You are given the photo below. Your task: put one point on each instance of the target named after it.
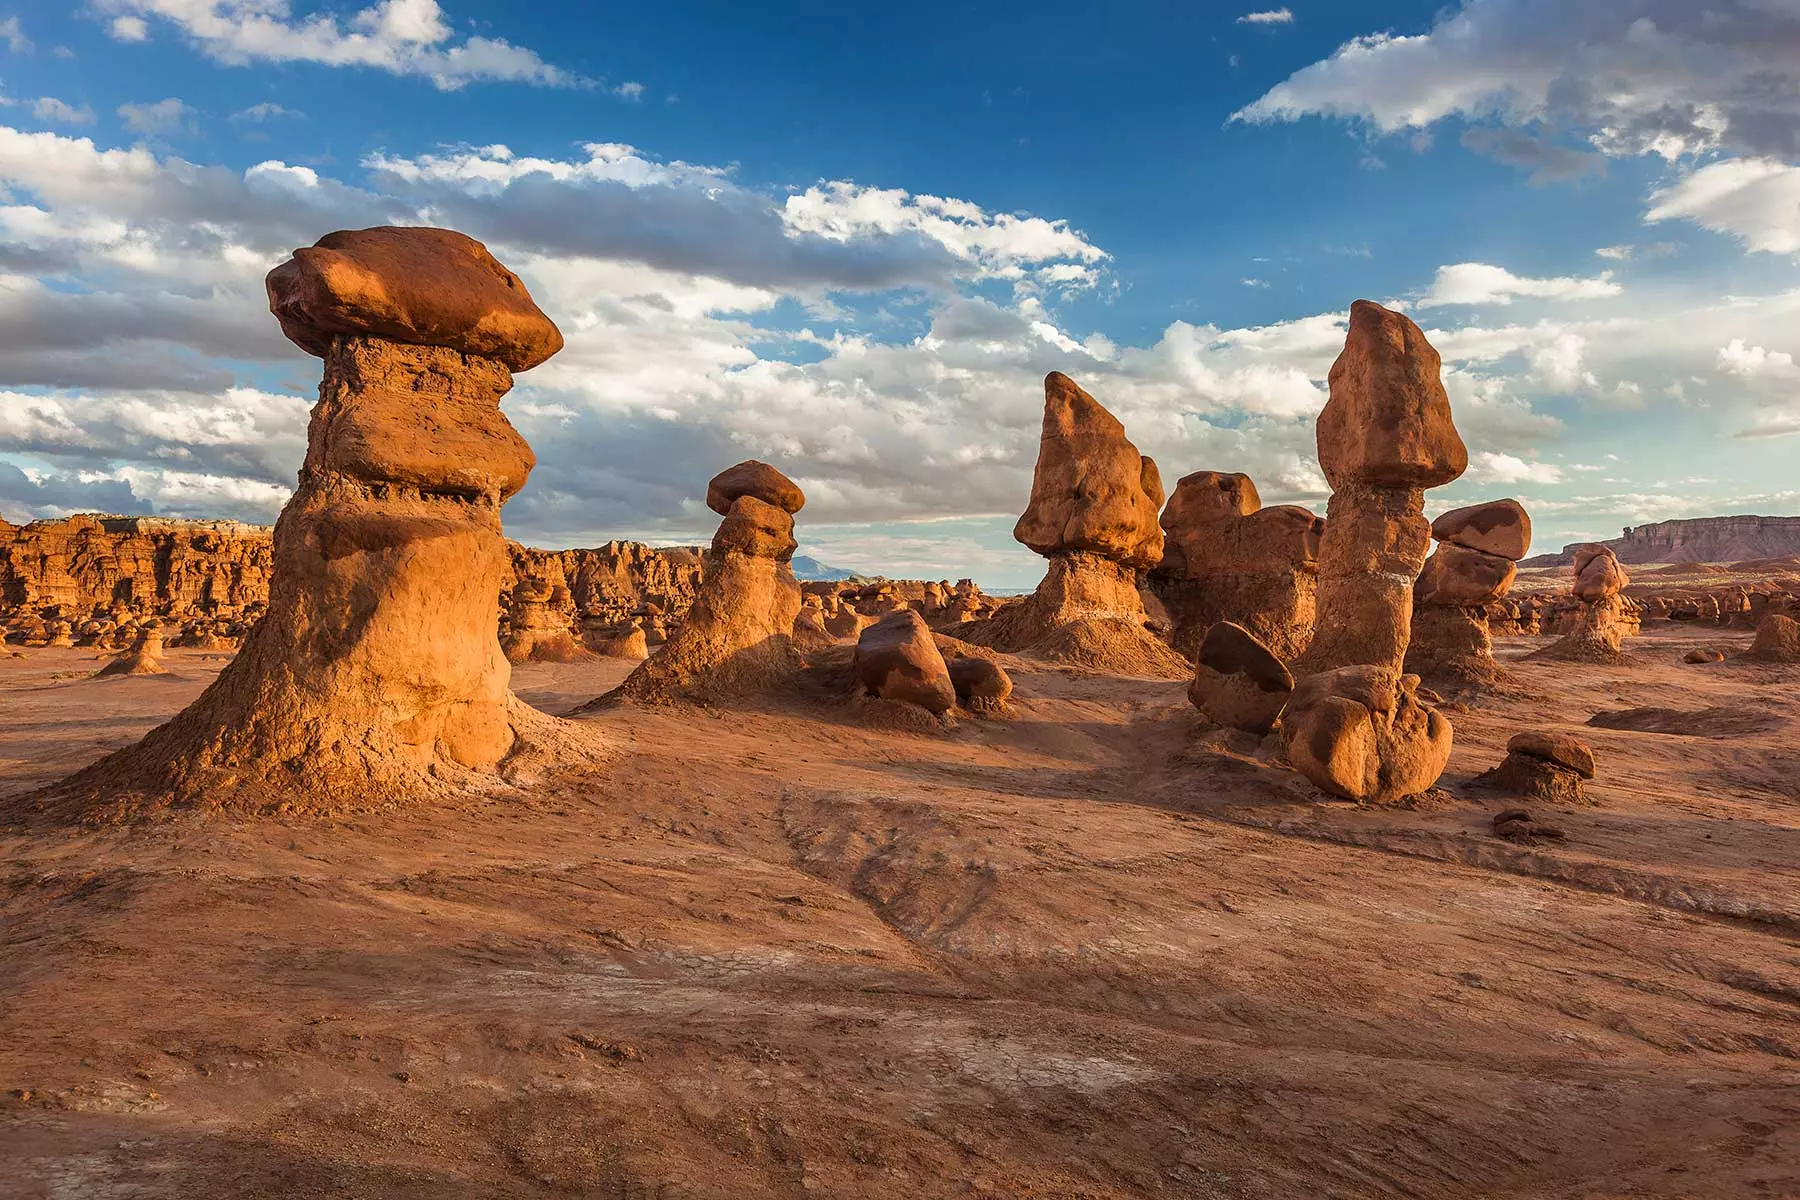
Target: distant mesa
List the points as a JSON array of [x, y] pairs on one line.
[[1694, 540]]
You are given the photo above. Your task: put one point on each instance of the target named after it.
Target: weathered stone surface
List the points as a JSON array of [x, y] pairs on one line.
[[1500, 527], [1372, 551], [1597, 626], [738, 635], [1238, 682], [376, 675], [419, 286], [982, 685], [755, 528], [1388, 422], [753, 478], [1384, 436], [1091, 490], [1455, 574], [1226, 559], [1361, 732], [1565, 750], [897, 659]]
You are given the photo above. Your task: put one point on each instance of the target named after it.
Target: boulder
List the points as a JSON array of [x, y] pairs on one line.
[[1387, 422], [1777, 640], [897, 659], [1498, 527], [1238, 682], [417, 286], [1361, 732], [982, 685], [753, 478], [1565, 750]]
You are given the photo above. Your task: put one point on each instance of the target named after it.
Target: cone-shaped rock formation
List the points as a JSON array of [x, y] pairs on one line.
[[738, 635]]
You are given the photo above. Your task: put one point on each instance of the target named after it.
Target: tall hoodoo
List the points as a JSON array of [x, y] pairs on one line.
[[1384, 436], [738, 635], [1093, 514], [376, 673]]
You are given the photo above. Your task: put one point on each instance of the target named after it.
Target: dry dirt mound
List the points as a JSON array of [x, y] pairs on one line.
[[1114, 647]]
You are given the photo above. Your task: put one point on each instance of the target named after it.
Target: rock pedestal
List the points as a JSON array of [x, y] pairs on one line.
[[1385, 435], [1600, 622], [737, 637], [1543, 766], [376, 674], [1472, 568], [1093, 514]]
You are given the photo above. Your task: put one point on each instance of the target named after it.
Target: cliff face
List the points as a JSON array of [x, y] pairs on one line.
[[1699, 539], [150, 566]]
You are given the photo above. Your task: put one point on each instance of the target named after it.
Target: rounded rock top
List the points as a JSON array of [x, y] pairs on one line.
[[753, 478], [416, 285]]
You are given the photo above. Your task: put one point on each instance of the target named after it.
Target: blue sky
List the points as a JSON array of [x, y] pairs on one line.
[[851, 243]]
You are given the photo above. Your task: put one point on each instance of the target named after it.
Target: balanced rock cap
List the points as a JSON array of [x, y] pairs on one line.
[[753, 478], [1500, 527], [420, 286], [1388, 420]]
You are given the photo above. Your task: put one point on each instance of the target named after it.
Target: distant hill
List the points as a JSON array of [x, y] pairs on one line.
[[811, 570], [1695, 540]]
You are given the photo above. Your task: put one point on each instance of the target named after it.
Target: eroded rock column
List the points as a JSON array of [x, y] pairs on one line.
[[376, 674], [1601, 621], [1472, 568], [1384, 436], [1093, 514], [738, 635]]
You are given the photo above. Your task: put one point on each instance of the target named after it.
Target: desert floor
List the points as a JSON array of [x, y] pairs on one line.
[[1096, 950]]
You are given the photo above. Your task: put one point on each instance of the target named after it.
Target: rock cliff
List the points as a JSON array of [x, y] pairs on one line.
[[1697, 539]]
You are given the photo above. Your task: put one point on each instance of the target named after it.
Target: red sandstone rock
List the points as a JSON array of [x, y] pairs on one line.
[[1388, 420], [419, 286], [1091, 491], [1238, 682], [1500, 527], [1361, 732], [753, 478], [896, 659]]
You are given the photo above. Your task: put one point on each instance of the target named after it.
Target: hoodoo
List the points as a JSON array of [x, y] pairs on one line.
[[1384, 436], [1356, 725], [1473, 567], [1601, 620], [738, 635], [1093, 514], [376, 675]]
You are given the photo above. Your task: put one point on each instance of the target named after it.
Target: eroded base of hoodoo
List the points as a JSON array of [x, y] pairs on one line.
[[1087, 613], [736, 640], [1451, 650], [320, 765]]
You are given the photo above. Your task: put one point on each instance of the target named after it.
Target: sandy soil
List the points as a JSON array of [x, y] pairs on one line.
[[1098, 950]]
